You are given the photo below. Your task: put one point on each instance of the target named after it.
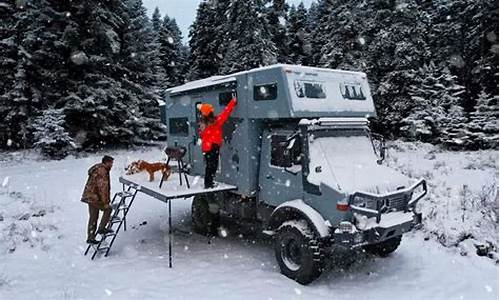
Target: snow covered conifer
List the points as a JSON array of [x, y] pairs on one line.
[[298, 36], [249, 40], [8, 57], [156, 20], [484, 121], [50, 136], [170, 52], [276, 11], [434, 95], [204, 42]]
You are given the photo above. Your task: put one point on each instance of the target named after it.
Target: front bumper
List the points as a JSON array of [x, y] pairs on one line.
[[375, 234], [390, 215]]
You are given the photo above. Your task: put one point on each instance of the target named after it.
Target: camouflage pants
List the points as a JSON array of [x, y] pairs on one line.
[[93, 218]]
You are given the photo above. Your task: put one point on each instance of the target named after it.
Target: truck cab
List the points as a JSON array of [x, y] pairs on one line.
[[309, 171]]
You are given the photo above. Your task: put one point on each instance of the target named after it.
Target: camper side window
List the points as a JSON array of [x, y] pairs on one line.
[[311, 90], [352, 91], [179, 126], [265, 92]]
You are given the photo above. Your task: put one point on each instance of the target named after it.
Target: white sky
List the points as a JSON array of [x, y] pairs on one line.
[[184, 11]]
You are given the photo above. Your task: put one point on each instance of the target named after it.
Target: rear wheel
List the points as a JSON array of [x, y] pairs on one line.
[[298, 252], [384, 248], [203, 221]]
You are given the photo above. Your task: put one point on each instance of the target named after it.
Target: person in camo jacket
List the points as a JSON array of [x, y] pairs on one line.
[[96, 195]]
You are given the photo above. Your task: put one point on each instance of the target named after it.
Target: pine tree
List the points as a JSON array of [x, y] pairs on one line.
[[33, 78], [8, 58], [156, 21], [204, 42], [50, 136], [158, 70], [276, 13], [434, 107], [99, 109], [298, 36], [484, 122], [342, 29], [170, 52], [250, 42], [464, 38]]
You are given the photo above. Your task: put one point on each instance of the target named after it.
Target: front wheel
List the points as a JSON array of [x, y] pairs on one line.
[[384, 248], [298, 252]]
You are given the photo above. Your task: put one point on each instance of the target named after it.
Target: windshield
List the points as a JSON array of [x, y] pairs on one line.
[[343, 159]]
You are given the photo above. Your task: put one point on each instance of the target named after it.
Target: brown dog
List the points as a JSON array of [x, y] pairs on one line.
[[141, 165]]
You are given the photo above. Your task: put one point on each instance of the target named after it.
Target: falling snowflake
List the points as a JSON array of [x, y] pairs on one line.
[[108, 292], [170, 40], [79, 58], [298, 291], [9, 142], [68, 14], [5, 182], [362, 40]]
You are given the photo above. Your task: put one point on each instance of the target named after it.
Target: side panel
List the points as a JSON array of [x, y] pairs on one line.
[[268, 109], [322, 93], [179, 124]]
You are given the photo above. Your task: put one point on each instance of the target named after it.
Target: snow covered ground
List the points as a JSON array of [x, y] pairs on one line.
[[42, 233]]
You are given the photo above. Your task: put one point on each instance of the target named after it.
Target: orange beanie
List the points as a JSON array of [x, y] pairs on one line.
[[206, 109]]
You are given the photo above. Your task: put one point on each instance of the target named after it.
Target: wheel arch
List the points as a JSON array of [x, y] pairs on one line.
[[298, 209]]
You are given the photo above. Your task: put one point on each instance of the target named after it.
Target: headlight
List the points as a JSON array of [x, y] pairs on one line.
[[361, 221], [359, 201]]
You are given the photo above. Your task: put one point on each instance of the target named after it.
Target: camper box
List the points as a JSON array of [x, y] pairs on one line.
[[278, 95]]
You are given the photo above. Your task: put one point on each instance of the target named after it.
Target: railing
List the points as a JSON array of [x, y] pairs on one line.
[[383, 202]]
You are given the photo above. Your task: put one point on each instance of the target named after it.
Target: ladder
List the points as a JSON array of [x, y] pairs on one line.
[[121, 203]]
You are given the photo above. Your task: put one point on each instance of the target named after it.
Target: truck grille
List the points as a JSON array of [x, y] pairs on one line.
[[397, 203]]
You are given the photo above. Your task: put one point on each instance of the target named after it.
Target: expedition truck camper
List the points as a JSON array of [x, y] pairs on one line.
[[308, 171]]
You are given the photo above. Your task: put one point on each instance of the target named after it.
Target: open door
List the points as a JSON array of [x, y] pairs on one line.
[[197, 164]]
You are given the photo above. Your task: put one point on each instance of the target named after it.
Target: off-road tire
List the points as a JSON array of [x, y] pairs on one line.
[[203, 221], [305, 264], [384, 248]]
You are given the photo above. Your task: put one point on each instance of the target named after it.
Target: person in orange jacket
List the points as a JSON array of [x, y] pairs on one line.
[[211, 137]]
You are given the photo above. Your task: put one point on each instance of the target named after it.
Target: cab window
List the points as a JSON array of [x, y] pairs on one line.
[[285, 152]]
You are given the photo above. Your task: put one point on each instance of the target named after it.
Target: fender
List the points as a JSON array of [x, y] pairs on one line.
[[297, 209]]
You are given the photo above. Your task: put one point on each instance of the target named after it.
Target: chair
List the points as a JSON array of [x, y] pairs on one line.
[[177, 153]]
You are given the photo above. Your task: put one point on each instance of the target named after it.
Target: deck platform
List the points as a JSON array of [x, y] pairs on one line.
[[171, 189]]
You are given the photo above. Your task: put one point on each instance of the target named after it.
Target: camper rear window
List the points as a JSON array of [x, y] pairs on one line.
[[309, 89], [179, 126], [265, 92], [225, 98]]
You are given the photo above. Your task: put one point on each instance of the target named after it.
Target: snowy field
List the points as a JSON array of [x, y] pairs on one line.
[[43, 223]]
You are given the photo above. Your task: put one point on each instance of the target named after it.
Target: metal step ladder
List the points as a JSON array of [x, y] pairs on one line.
[[121, 203]]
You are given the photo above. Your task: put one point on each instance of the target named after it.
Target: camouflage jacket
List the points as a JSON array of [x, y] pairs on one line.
[[97, 189]]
